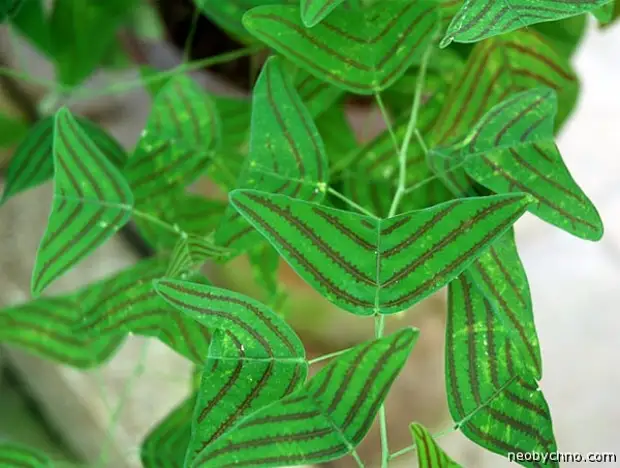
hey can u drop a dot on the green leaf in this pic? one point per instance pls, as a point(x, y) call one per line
point(315, 11)
point(322, 421)
point(511, 149)
point(608, 13)
point(127, 303)
point(255, 358)
point(337, 133)
point(564, 35)
point(363, 51)
point(286, 151)
point(318, 95)
point(9, 8)
point(430, 454)
point(17, 455)
point(480, 19)
point(367, 265)
point(11, 130)
point(33, 161)
point(265, 262)
point(491, 396)
point(31, 22)
point(47, 328)
point(235, 115)
point(191, 252)
point(91, 202)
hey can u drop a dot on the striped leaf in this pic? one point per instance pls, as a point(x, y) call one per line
point(286, 151)
point(191, 252)
point(491, 396)
point(430, 454)
point(255, 358)
point(91, 202)
point(315, 11)
point(19, 456)
point(322, 421)
point(47, 328)
point(480, 19)
point(127, 303)
point(33, 162)
point(512, 149)
point(363, 51)
point(235, 114)
point(318, 95)
point(367, 265)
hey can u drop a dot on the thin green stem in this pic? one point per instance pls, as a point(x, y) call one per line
point(187, 49)
point(325, 357)
point(155, 220)
point(385, 449)
point(387, 120)
point(411, 127)
point(413, 447)
point(348, 201)
point(421, 141)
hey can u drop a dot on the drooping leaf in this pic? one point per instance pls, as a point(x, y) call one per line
point(46, 327)
point(12, 130)
point(191, 252)
point(314, 11)
point(363, 51)
point(430, 454)
point(91, 202)
point(367, 265)
point(512, 149)
point(491, 396)
point(480, 19)
point(33, 162)
point(17, 455)
point(255, 358)
point(322, 421)
point(286, 151)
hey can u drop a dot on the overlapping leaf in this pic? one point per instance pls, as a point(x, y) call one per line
point(367, 265)
point(235, 114)
point(91, 202)
point(430, 454)
point(511, 149)
point(491, 396)
point(322, 421)
point(363, 51)
point(17, 455)
point(191, 252)
point(33, 161)
point(317, 95)
point(608, 13)
point(286, 151)
point(480, 19)
point(46, 327)
point(255, 358)
point(314, 11)
point(127, 303)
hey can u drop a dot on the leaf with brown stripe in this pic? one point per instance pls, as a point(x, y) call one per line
point(319, 96)
point(191, 252)
point(14, 455)
point(492, 396)
point(363, 51)
point(512, 149)
point(286, 152)
point(33, 163)
point(369, 265)
point(315, 11)
point(430, 454)
point(91, 202)
point(322, 421)
point(254, 359)
point(480, 19)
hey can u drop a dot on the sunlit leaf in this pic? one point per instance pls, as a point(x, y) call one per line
point(91, 202)
point(314, 11)
point(367, 265)
point(480, 19)
point(362, 51)
point(17, 455)
point(430, 454)
point(322, 421)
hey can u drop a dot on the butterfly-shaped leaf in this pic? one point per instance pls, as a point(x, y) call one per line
point(367, 265)
point(91, 202)
point(127, 303)
point(191, 252)
point(491, 396)
point(363, 51)
point(480, 19)
point(322, 421)
point(314, 11)
point(47, 328)
point(255, 358)
point(430, 454)
point(33, 161)
point(286, 151)
point(17, 455)
point(512, 149)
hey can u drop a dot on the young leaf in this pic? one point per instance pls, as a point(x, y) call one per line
point(314, 11)
point(17, 455)
point(324, 420)
point(362, 51)
point(191, 252)
point(491, 396)
point(46, 328)
point(255, 358)
point(367, 265)
point(430, 454)
point(33, 161)
point(286, 151)
point(91, 202)
point(512, 149)
point(480, 19)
